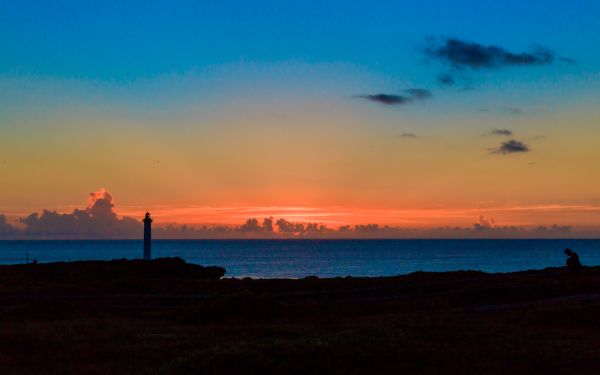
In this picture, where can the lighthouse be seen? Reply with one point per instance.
(147, 236)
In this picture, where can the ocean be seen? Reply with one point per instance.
(323, 258)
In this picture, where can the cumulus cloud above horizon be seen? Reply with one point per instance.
(97, 220)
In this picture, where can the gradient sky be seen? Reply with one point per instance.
(216, 111)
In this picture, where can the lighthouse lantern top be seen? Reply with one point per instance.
(147, 218)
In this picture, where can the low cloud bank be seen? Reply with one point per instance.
(483, 228)
(99, 221)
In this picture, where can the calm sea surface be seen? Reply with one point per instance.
(325, 258)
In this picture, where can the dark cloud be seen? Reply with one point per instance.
(511, 147)
(411, 95)
(461, 54)
(287, 227)
(268, 224)
(253, 226)
(386, 99)
(504, 132)
(6, 229)
(98, 220)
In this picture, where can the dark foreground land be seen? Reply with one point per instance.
(165, 316)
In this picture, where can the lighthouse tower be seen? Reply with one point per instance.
(147, 236)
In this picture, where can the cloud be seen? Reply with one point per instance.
(410, 95)
(503, 132)
(511, 147)
(5, 228)
(418, 94)
(537, 137)
(408, 135)
(567, 60)
(81, 224)
(452, 78)
(268, 224)
(512, 110)
(386, 99)
(95, 196)
(253, 226)
(446, 79)
(98, 220)
(461, 54)
(484, 223)
(287, 227)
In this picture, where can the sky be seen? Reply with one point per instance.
(400, 113)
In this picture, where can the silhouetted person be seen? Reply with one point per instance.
(573, 263)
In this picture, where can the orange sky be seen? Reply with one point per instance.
(329, 161)
(579, 215)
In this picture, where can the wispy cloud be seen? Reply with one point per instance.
(446, 79)
(418, 94)
(502, 132)
(408, 135)
(512, 110)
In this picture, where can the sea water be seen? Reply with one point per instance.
(323, 258)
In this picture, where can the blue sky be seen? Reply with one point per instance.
(133, 39)
(231, 46)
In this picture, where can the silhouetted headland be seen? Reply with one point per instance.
(91, 272)
(168, 316)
